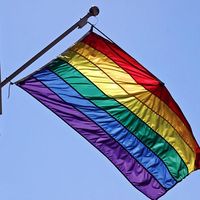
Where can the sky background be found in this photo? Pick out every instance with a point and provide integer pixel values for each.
(42, 158)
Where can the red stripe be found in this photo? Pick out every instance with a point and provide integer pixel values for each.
(141, 75)
(197, 162)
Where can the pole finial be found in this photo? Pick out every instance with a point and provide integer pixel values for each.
(94, 11)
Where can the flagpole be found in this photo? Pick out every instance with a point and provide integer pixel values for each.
(93, 11)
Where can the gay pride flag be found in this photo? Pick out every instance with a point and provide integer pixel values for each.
(121, 109)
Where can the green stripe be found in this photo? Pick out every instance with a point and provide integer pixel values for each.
(135, 125)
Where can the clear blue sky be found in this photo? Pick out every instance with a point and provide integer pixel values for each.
(41, 158)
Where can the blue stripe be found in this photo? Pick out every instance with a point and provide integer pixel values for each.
(137, 149)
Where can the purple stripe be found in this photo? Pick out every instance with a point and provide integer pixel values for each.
(130, 168)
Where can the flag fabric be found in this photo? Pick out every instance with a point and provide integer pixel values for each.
(121, 109)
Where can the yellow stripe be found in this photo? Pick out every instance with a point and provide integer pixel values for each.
(122, 78)
(102, 81)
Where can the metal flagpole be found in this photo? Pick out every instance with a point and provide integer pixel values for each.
(93, 11)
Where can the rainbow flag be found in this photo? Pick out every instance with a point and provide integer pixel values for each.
(121, 109)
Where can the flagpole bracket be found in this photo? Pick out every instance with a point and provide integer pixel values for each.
(0, 94)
